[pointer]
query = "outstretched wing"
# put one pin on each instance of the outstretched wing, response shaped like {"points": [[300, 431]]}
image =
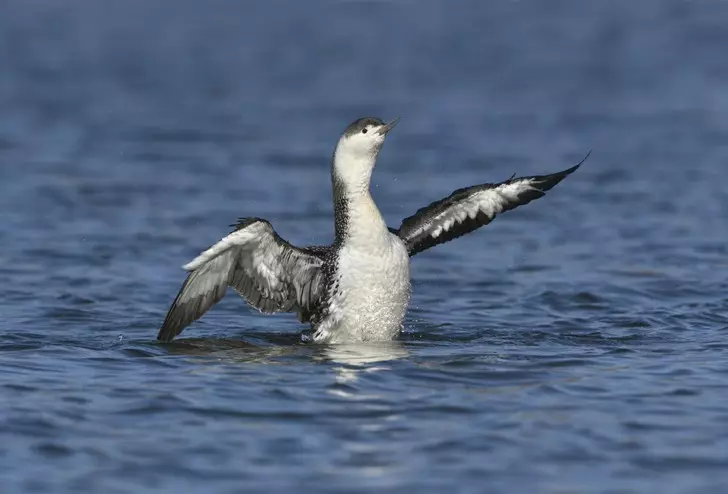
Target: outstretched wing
{"points": [[467, 209], [268, 272]]}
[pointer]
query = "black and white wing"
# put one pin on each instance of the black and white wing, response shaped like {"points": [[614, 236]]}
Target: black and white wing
{"points": [[268, 272], [470, 208]]}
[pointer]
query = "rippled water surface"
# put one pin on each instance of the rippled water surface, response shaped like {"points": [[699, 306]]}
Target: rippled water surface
{"points": [[577, 344]]}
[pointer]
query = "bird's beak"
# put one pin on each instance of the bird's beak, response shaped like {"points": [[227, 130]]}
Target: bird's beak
{"points": [[387, 127]]}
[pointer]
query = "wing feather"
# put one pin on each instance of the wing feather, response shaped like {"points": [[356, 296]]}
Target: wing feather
{"points": [[470, 208], [268, 272]]}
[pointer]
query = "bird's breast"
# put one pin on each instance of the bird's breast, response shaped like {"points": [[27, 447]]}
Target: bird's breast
{"points": [[370, 291]]}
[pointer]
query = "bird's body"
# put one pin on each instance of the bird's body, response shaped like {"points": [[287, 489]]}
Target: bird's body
{"points": [[358, 288], [369, 291]]}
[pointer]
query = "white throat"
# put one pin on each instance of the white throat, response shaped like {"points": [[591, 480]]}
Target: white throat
{"points": [[353, 168], [351, 174]]}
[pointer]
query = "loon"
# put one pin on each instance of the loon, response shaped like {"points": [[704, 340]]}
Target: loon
{"points": [[358, 288]]}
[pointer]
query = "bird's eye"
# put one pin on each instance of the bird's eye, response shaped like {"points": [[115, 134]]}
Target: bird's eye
{"points": [[364, 131]]}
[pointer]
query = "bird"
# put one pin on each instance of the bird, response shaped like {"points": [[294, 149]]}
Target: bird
{"points": [[358, 288]]}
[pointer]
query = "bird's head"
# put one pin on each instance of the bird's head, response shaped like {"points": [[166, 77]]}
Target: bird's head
{"points": [[364, 137], [357, 150]]}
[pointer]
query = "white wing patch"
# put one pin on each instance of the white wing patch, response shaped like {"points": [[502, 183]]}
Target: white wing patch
{"points": [[237, 238], [490, 202], [208, 277], [467, 209]]}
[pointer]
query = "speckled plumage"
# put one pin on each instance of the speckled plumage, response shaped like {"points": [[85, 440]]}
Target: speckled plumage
{"points": [[358, 288]]}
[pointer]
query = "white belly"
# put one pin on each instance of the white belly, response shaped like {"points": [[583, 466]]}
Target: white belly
{"points": [[372, 295]]}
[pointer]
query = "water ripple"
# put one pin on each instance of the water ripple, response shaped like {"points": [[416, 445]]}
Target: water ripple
{"points": [[574, 345]]}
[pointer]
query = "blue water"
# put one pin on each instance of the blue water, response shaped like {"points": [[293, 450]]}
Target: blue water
{"points": [[577, 344]]}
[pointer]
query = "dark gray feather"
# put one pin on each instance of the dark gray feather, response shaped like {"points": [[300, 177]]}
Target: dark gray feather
{"points": [[268, 272], [470, 208]]}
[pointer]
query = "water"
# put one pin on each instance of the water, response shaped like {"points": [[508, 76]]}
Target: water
{"points": [[577, 344]]}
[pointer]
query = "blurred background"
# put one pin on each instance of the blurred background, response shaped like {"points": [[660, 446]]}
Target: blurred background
{"points": [[577, 344]]}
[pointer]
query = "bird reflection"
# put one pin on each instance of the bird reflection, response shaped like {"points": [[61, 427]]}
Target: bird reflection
{"points": [[358, 357], [355, 356]]}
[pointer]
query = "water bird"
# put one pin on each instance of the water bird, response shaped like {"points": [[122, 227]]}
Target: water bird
{"points": [[358, 288]]}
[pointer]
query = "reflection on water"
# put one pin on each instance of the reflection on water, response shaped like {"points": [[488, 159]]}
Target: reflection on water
{"points": [[358, 357], [238, 350], [209, 346], [360, 354], [349, 359], [232, 351], [353, 354]]}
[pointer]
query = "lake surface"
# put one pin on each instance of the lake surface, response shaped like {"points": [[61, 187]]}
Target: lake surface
{"points": [[577, 344]]}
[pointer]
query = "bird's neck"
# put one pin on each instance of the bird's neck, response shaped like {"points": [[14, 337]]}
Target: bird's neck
{"points": [[355, 213]]}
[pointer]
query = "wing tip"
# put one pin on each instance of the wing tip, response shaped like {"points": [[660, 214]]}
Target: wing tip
{"points": [[171, 325], [547, 182], [165, 336], [168, 330], [571, 170]]}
